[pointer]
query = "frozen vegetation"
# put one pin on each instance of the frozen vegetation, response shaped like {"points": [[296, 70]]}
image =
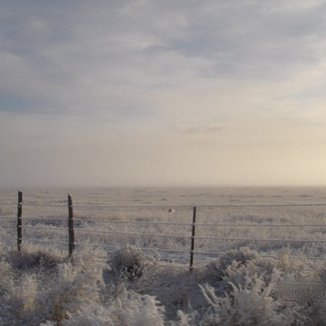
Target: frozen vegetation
{"points": [[40, 287], [256, 276]]}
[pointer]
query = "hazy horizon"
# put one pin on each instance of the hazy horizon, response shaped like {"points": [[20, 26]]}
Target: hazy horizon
{"points": [[163, 93]]}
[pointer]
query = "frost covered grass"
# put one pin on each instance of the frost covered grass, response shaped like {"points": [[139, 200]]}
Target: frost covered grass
{"points": [[103, 217], [241, 287], [300, 229], [249, 282]]}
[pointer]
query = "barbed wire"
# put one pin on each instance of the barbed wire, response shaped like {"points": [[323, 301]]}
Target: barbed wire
{"points": [[264, 205], [260, 240], [171, 211], [201, 206], [149, 222], [10, 218], [259, 225], [27, 204], [133, 233], [143, 248], [44, 241], [188, 206], [51, 229], [263, 255], [49, 219], [7, 237]]}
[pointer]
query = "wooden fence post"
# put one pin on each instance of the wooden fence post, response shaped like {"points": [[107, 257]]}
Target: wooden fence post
{"points": [[19, 220], [71, 226], [193, 229]]}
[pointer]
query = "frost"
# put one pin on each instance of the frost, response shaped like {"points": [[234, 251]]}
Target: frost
{"points": [[38, 287], [130, 262]]}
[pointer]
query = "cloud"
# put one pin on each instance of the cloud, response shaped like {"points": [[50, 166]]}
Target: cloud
{"points": [[202, 129], [150, 73], [105, 56]]}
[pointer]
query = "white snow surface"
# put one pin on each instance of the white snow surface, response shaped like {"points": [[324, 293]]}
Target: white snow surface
{"points": [[111, 281]]}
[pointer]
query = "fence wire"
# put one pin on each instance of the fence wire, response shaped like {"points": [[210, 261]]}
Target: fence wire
{"points": [[115, 226]]}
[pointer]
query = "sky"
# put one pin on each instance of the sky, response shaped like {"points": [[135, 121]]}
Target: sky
{"points": [[162, 93]]}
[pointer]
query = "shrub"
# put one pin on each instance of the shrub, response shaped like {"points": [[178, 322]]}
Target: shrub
{"points": [[250, 305], [29, 261], [130, 262], [217, 269]]}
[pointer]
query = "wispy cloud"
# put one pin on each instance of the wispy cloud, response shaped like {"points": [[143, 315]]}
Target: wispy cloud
{"points": [[115, 71], [89, 51], [202, 128]]}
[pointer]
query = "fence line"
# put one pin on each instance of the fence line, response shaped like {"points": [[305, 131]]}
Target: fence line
{"points": [[262, 240], [193, 231], [31, 218], [19, 219], [135, 233], [260, 225], [134, 222], [96, 206], [73, 226], [56, 228]]}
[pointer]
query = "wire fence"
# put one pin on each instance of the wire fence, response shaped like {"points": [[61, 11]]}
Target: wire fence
{"points": [[176, 233]]}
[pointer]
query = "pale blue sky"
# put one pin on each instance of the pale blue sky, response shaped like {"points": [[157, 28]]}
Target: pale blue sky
{"points": [[142, 92]]}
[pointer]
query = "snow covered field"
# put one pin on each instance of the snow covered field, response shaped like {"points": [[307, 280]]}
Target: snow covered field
{"points": [[266, 220], [259, 257]]}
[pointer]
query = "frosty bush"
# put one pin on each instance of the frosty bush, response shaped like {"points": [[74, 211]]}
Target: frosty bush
{"points": [[130, 262], [242, 275], [29, 296], [239, 257], [129, 309], [29, 261], [6, 277], [250, 305], [70, 291], [18, 296], [42, 288], [133, 309]]}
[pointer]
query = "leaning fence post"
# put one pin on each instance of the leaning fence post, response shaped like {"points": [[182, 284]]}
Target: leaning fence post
{"points": [[193, 229], [19, 220], [71, 226]]}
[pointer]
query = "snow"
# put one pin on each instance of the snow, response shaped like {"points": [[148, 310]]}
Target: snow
{"points": [[246, 284]]}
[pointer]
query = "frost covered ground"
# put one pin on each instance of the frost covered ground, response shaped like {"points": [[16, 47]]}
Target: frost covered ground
{"points": [[250, 280], [131, 288]]}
